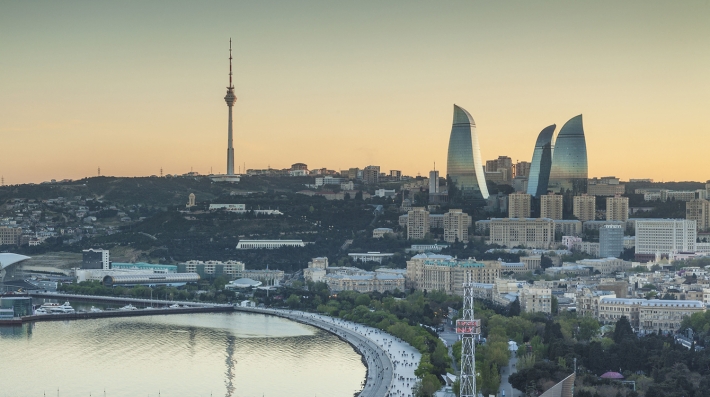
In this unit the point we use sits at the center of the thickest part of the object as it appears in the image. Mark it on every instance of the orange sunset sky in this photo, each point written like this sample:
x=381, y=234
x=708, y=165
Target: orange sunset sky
x=136, y=86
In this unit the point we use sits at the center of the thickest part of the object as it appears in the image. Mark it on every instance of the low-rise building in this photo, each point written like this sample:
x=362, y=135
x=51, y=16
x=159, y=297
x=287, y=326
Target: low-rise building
x=606, y=265
x=381, y=280
x=528, y=232
x=381, y=231
x=268, y=244
x=210, y=269
x=370, y=256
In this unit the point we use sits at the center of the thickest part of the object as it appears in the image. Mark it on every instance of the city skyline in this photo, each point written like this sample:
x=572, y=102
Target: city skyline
x=131, y=93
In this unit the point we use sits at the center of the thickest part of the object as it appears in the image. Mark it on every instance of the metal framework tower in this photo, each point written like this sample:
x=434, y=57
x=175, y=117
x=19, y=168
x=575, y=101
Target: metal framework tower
x=468, y=328
x=231, y=99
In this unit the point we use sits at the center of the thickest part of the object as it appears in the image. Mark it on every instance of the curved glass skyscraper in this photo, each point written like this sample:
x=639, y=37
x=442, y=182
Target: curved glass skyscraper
x=569, y=160
x=464, y=165
x=541, y=163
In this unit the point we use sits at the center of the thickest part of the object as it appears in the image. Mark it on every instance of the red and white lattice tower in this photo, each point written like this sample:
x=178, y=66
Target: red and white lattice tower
x=469, y=328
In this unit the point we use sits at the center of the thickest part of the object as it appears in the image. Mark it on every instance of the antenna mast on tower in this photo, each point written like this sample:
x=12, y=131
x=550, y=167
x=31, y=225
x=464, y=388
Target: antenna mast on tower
x=469, y=329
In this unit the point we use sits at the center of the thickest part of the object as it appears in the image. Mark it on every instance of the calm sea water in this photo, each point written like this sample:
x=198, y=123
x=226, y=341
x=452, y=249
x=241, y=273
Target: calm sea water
x=221, y=354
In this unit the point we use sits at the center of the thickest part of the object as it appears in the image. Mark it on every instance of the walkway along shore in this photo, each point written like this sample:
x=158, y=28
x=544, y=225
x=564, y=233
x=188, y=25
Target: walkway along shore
x=390, y=361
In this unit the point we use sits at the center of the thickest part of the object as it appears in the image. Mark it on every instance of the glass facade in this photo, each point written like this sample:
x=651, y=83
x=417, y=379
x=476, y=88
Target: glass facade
x=541, y=163
x=568, y=174
x=464, y=165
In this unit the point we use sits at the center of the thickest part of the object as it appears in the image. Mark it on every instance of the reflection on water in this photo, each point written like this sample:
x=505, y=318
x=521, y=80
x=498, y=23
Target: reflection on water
x=232, y=355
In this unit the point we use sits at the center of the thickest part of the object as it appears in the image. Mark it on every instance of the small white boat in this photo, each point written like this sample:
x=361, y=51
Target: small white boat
x=95, y=310
x=175, y=306
x=128, y=307
x=40, y=311
x=61, y=309
x=49, y=306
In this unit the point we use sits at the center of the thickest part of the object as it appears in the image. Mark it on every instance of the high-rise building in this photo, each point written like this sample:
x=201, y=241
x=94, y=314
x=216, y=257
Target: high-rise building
x=519, y=205
x=664, y=237
x=464, y=165
x=417, y=223
x=230, y=99
x=371, y=174
x=433, y=182
x=541, y=163
x=611, y=241
x=456, y=226
x=617, y=208
x=568, y=175
x=551, y=206
x=395, y=175
x=584, y=207
x=502, y=164
x=698, y=210
x=522, y=169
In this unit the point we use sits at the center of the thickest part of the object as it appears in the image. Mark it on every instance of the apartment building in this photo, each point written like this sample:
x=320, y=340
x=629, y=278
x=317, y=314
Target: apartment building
x=519, y=205
x=584, y=207
x=535, y=299
x=456, y=226
x=617, y=208
x=10, y=235
x=417, y=223
x=698, y=210
x=551, y=206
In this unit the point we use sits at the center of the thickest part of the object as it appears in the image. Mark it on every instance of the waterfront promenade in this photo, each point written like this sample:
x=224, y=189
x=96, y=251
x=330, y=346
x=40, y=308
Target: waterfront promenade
x=390, y=361
x=119, y=299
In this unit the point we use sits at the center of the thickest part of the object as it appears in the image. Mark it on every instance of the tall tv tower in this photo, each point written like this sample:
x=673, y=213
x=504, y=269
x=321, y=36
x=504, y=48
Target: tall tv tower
x=468, y=328
x=231, y=99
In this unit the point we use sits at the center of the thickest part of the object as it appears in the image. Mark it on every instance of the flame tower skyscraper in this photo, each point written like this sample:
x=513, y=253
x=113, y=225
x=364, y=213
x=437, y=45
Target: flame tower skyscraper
x=231, y=99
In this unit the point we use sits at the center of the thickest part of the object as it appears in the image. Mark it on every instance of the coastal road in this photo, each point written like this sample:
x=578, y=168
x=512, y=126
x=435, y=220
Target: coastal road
x=390, y=361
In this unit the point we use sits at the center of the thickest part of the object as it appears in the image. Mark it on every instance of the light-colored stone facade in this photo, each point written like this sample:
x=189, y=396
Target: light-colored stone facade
x=433, y=272
x=551, y=206
x=417, y=223
x=535, y=299
x=456, y=226
x=698, y=211
x=519, y=205
x=617, y=208
x=528, y=232
x=584, y=207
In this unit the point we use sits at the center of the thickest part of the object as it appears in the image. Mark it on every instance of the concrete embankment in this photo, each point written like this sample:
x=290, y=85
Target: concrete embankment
x=380, y=371
x=119, y=299
x=115, y=313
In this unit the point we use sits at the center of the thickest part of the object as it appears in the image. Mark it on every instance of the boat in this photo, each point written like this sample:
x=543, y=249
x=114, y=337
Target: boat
x=49, y=306
x=40, y=311
x=61, y=309
x=95, y=310
x=175, y=306
x=128, y=307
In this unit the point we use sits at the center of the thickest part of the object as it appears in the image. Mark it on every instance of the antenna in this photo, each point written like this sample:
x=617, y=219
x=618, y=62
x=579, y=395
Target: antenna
x=161, y=172
x=230, y=63
x=99, y=171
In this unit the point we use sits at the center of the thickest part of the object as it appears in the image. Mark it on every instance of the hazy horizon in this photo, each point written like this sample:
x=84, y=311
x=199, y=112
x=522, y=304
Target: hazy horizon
x=135, y=87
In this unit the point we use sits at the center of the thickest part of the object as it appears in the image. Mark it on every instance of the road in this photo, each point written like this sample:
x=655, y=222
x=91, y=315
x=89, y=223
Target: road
x=504, y=374
x=390, y=361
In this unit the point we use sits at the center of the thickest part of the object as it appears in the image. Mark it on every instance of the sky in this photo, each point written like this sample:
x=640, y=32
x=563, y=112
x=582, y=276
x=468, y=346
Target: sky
x=133, y=87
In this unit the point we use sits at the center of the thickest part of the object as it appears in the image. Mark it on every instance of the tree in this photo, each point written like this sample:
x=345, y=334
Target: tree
x=554, y=305
x=545, y=261
x=293, y=301
x=623, y=330
x=514, y=309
